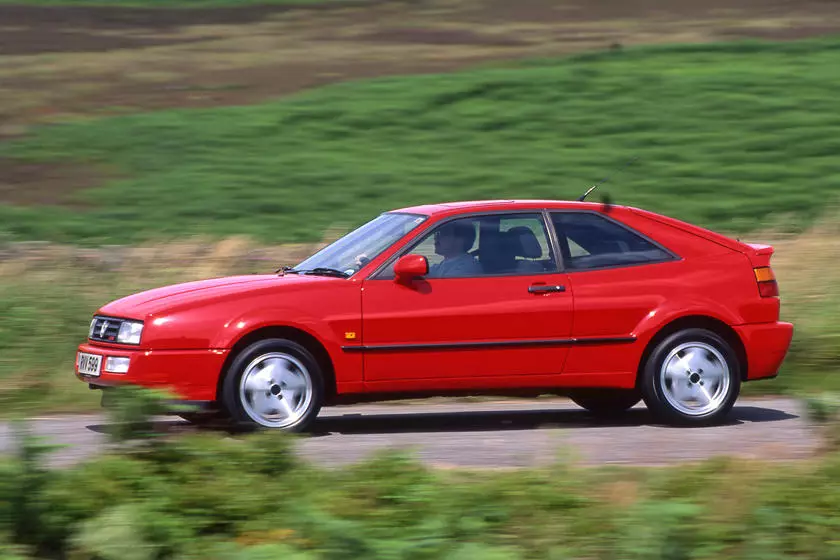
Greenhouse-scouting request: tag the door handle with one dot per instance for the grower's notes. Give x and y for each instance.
(546, 289)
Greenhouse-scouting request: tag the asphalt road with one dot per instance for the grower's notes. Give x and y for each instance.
(501, 434)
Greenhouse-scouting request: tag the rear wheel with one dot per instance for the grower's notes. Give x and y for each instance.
(274, 383)
(606, 402)
(691, 377)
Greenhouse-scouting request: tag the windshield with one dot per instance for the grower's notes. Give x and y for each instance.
(357, 248)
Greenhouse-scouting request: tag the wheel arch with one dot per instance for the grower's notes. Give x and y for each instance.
(305, 339)
(703, 322)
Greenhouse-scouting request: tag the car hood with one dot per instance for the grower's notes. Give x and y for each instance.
(151, 302)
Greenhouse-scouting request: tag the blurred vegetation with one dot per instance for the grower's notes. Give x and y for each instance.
(808, 272)
(728, 136)
(248, 497)
(824, 410)
(50, 311)
(48, 294)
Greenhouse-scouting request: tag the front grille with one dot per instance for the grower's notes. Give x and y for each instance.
(105, 329)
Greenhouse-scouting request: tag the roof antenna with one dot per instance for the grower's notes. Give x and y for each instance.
(604, 180)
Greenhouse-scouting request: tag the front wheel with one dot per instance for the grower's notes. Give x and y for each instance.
(274, 383)
(692, 377)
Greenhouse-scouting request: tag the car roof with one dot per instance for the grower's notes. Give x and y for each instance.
(469, 206)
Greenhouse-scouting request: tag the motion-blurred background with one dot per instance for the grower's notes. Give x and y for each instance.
(144, 142)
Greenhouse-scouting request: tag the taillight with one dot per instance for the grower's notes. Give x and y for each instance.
(767, 285)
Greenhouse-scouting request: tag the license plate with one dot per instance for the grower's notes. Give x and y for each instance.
(89, 364)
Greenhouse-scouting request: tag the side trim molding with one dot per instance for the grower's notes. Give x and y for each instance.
(499, 344)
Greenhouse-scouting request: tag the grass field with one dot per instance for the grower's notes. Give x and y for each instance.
(48, 295)
(809, 278)
(730, 136)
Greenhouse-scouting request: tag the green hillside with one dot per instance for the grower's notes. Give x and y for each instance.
(728, 135)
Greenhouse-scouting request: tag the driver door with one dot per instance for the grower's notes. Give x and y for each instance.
(509, 321)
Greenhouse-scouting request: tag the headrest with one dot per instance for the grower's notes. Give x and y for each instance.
(526, 242)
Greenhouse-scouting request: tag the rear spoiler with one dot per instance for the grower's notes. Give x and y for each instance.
(759, 254)
(760, 249)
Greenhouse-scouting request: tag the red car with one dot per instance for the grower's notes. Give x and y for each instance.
(608, 305)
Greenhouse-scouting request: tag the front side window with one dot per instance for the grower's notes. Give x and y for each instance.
(589, 241)
(357, 248)
(486, 246)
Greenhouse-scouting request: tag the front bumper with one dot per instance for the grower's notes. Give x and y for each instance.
(191, 375)
(767, 345)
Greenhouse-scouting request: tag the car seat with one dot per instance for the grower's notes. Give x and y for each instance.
(525, 244)
(497, 253)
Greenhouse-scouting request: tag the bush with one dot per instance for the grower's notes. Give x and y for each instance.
(212, 497)
(132, 409)
(824, 409)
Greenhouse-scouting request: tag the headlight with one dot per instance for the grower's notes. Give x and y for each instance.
(130, 332)
(92, 325)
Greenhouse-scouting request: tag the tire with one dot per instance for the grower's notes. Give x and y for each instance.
(273, 384)
(692, 377)
(606, 403)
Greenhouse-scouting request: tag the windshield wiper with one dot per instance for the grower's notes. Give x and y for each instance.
(323, 271)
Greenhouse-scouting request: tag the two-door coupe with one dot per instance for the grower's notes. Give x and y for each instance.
(606, 304)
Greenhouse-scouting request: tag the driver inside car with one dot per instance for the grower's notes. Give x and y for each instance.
(452, 241)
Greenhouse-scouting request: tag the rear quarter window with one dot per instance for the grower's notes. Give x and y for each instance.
(589, 241)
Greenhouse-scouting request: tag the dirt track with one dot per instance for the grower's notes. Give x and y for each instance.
(42, 29)
(52, 18)
(136, 59)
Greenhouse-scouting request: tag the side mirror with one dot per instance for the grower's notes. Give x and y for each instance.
(409, 267)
